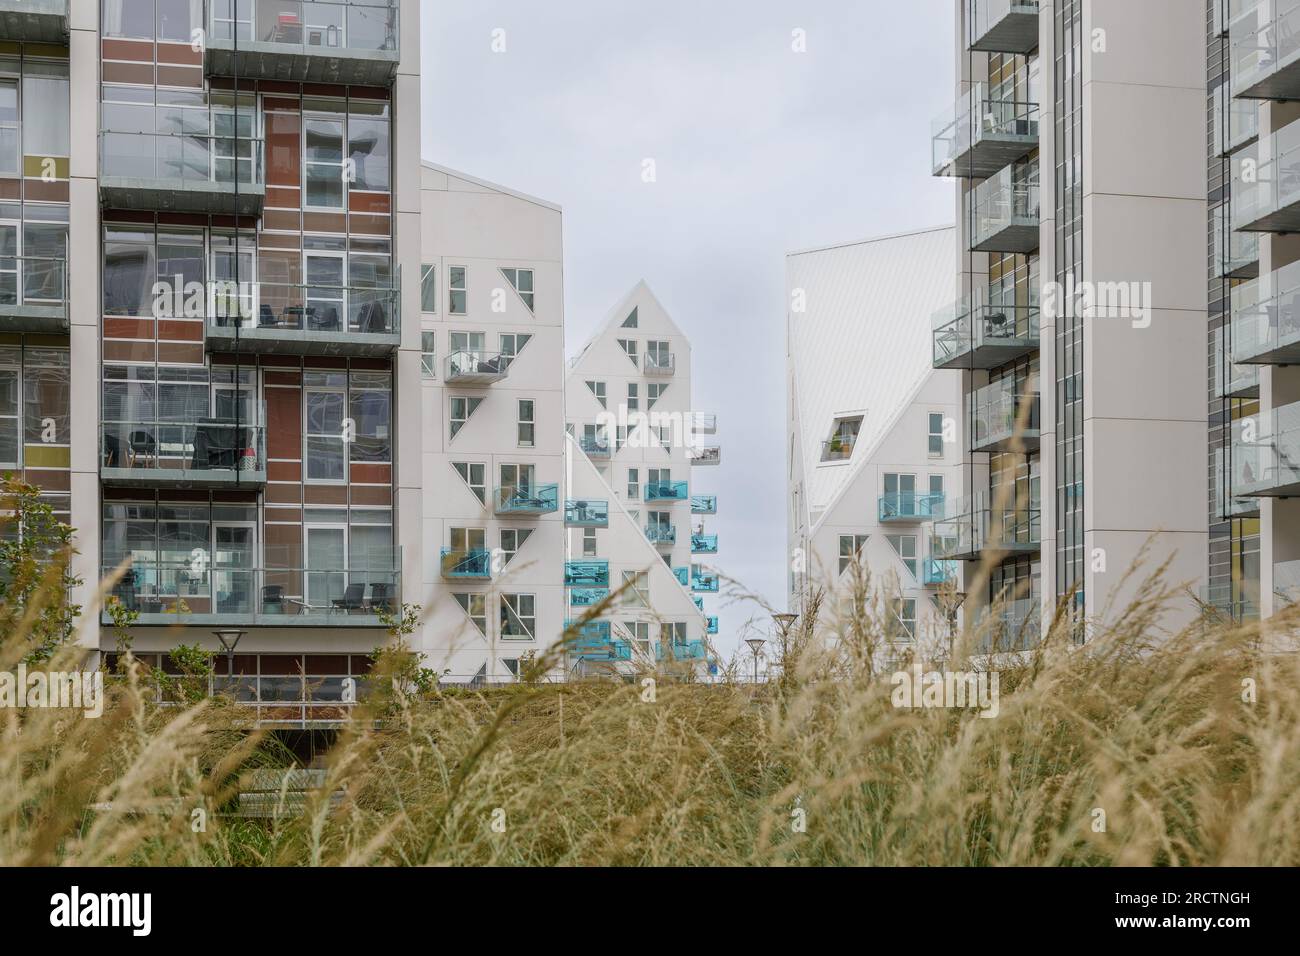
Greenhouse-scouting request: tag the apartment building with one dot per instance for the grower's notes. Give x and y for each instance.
(629, 413)
(1075, 140)
(873, 429)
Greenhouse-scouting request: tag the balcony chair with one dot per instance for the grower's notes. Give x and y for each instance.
(142, 445)
(273, 599)
(353, 599)
(381, 598)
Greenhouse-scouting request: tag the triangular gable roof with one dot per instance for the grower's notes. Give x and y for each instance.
(615, 316)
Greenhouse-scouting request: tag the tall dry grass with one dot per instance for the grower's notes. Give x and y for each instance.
(1161, 736)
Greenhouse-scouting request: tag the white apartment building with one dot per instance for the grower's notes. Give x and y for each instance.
(867, 419)
(629, 411)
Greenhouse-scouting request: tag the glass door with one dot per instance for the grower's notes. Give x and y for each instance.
(326, 304)
(326, 577)
(231, 292)
(234, 575)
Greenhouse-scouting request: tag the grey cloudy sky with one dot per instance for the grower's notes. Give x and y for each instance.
(759, 151)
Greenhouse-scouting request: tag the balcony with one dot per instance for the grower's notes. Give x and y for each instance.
(704, 504)
(1264, 49)
(702, 580)
(1232, 380)
(1003, 418)
(1266, 183)
(1008, 627)
(1265, 454)
(314, 42)
(587, 597)
(680, 651)
(1230, 603)
(1003, 211)
(704, 423)
(699, 601)
(596, 447)
(908, 506)
(209, 454)
(34, 294)
(1234, 123)
(594, 643)
(582, 513)
(527, 499)
(704, 544)
(839, 448)
(34, 21)
(459, 564)
(683, 576)
(659, 363)
(586, 574)
(974, 334)
(936, 573)
(476, 368)
(1265, 326)
(983, 133)
(666, 491)
(661, 535)
(211, 594)
(1002, 26)
(972, 529)
(712, 620)
(1235, 255)
(175, 172)
(1224, 507)
(704, 455)
(295, 319)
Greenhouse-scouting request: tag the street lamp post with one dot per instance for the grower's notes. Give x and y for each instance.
(229, 638)
(755, 645)
(784, 620)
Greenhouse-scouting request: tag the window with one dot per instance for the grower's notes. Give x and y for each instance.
(371, 395)
(936, 489)
(900, 496)
(905, 545)
(630, 321)
(475, 608)
(516, 480)
(652, 393)
(428, 288)
(598, 389)
(368, 140)
(461, 409)
(633, 401)
(512, 539)
(456, 290)
(637, 593)
(323, 162)
(639, 632)
(905, 613)
(658, 356)
(474, 474)
(521, 280)
(589, 543)
(672, 632)
(936, 435)
(511, 345)
(844, 435)
(527, 426)
(851, 546)
(629, 348)
(428, 354)
(324, 401)
(518, 617)
(633, 484)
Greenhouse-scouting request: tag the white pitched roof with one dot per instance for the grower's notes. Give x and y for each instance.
(640, 294)
(863, 344)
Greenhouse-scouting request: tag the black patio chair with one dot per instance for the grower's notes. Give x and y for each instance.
(352, 599)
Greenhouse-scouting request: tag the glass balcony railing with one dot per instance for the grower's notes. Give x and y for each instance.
(704, 423)
(595, 446)
(908, 506)
(974, 333)
(1223, 506)
(1265, 323)
(699, 601)
(712, 621)
(181, 172)
(704, 544)
(683, 576)
(34, 294)
(1234, 255)
(1265, 454)
(705, 455)
(979, 525)
(313, 41)
(985, 131)
(294, 318)
(586, 597)
(472, 564)
(666, 491)
(659, 363)
(704, 504)
(1232, 380)
(1003, 211)
(586, 574)
(594, 643)
(1264, 48)
(839, 448)
(1009, 626)
(527, 499)
(935, 572)
(35, 21)
(1231, 603)
(680, 651)
(476, 368)
(1234, 122)
(1002, 26)
(1266, 183)
(585, 513)
(208, 454)
(702, 580)
(1000, 420)
(227, 589)
(661, 534)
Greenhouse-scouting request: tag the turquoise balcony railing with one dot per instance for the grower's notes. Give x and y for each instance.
(683, 576)
(586, 513)
(594, 643)
(586, 597)
(666, 491)
(661, 534)
(713, 623)
(702, 580)
(595, 446)
(704, 544)
(527, 499)
(681, 651)
(704, 504)
(699, 601)
(908, 506)
(475, 564)
(935, 572)
(586, 574)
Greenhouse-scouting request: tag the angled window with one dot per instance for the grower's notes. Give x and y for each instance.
(518, 617)
(639, 632)
(905, 545)
(851, 546)
(629, 349)
(630, 321)
(598, 389)
(637, 593)
(905, 615)
(457, 290)
(521, 280)
(512, 539)
(462, 407)
(428, 288)
(475, 608)
(652, 393)
(428, 355)
(512, 344)
(474, 474)
(844, 435)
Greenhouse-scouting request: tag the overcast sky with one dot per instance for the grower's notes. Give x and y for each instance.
(759, 151)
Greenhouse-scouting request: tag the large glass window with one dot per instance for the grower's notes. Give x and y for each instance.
(10, 372)
(323, 162)
(368, 145)
(371, 411)
(324, 401)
